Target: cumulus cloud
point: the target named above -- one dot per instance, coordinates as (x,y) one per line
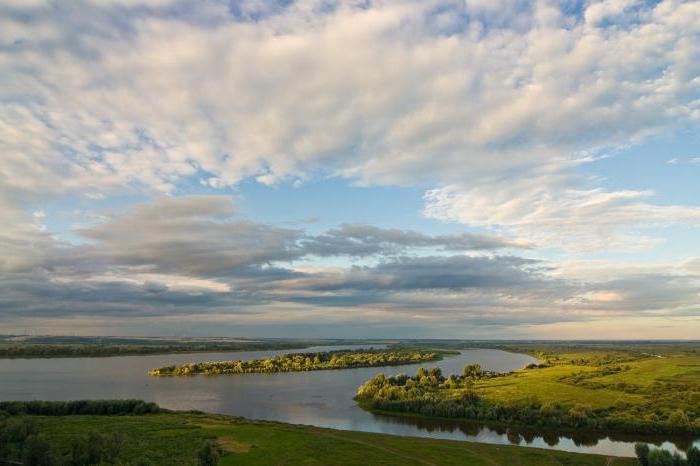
(200,235)
(151,95)
(192,234)
(196,246)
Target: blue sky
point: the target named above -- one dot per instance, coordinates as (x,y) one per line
(457,169)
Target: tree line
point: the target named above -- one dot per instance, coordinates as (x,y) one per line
(302,362)
(110,349)
(78,407)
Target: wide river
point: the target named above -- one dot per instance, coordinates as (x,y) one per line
(320,398)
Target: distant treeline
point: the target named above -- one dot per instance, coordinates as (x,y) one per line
(303,362)
(79,407)
(22,350)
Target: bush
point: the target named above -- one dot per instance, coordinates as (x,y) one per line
(679,419)
(693,456)
(208,455)
(642,452)
(36,452)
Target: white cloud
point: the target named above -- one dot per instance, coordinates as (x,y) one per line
(419,97)
(558,216)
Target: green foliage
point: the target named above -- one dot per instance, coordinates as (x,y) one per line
(472,370)
(36,451)
(659,457)
(693,456)
(208,455)
(302,362)
(95,448)
(625,388)
(21,443)
(620,391)
(642,452)
(67,408)
(178,438)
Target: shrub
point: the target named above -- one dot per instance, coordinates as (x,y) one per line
(642,452)
(693,456)
(36,452)
(208,455)
(679,419)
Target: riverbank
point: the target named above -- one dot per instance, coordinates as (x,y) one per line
(179,437)
(587,390)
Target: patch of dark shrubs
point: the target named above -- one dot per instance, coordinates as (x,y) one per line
(79,407)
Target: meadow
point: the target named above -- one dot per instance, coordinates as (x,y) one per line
(194,439)
(590,388)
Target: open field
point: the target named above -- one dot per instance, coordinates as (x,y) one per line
(176,438)
(621,388)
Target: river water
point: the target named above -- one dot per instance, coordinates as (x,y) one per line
(319,398)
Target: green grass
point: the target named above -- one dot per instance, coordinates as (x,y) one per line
(659,384)
(587,389)
(174,438)
(545,384)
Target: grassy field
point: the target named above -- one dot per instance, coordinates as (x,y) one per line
(175,438)
(653,388)
(622,388)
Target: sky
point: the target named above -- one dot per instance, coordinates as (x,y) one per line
(478,169)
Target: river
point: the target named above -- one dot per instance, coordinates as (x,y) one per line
(319,398)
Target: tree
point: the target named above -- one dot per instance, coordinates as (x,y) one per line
(642,452)
(208,455)
(659,457)
(472,370)
(693,456)
(36,451)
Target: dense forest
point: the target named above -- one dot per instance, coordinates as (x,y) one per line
(597,392)
(303,362)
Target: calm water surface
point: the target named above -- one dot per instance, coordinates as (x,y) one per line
(321,398)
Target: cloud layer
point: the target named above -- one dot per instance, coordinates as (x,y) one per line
(193,258)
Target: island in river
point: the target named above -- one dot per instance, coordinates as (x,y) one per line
(298,362)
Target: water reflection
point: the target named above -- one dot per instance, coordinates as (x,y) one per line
(590,442)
